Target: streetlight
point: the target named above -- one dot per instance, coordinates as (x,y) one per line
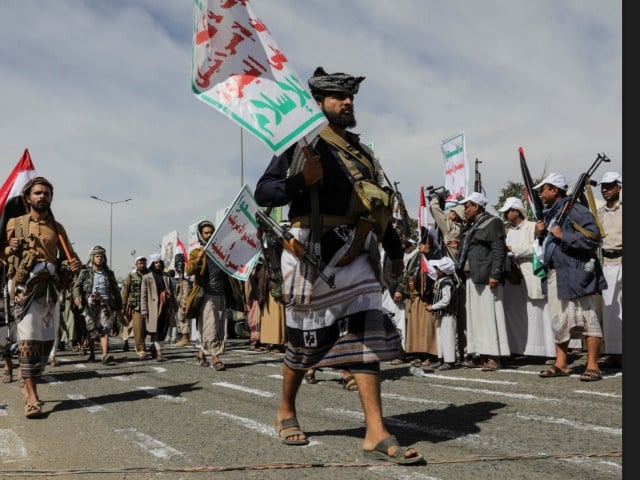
(111,204)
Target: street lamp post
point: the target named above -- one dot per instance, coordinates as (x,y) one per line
(111,204)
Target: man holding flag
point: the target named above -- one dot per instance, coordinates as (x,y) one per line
(342,327)
(247,77)
(11,204)
(35,245)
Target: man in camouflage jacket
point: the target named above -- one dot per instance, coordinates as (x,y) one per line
(131,290)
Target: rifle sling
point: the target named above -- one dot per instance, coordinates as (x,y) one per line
(591,201)
(349,155)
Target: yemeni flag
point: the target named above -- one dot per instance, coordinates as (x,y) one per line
(423,212)
(10,194)
(182,249)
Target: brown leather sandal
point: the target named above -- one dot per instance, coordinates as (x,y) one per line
(32,410)
(349,383)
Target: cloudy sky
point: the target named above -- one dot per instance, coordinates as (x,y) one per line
(99,92)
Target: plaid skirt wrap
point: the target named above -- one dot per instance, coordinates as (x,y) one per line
(338,326)
(38,286)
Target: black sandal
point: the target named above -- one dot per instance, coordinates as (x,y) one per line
(310,377)
(201,360)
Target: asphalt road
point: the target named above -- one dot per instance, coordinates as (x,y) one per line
(177,420)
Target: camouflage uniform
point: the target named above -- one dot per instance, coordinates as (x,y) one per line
(131,290)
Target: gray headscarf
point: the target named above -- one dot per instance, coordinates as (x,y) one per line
(323,82)
(201,225)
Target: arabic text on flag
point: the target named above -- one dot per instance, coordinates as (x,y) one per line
(454,151)
(235,245)
(239,70)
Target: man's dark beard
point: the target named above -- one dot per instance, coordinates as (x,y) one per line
(344,120)
(40,208)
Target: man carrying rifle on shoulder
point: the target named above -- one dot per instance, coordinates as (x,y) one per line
(571,238)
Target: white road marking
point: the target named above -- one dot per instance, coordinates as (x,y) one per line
(418,372)
(262,428)
(11,447)
(602,394)
(569,423)
(92,407)
(51,380)
(150,444)
(161,393)
(403,398)
(253,391)
(399,473)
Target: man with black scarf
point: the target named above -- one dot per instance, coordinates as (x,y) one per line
(342,327)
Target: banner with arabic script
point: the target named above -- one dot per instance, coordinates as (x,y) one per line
(235,246)
(239,70)
(456,171)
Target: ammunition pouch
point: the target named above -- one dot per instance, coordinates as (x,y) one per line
(359,244)
(20,266)
(371,201)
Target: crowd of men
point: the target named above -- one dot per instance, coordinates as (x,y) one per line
(472,290)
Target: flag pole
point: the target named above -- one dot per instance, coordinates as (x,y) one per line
(241,160)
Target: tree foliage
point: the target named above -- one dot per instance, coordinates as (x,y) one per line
(514,189)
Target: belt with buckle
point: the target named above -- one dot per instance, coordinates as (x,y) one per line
(611,253)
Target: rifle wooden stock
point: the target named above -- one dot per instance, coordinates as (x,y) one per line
(402,208)
(274,230)
(65,247)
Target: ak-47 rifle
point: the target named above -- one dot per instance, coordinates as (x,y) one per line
(532,195)
(477,184)
(6,302)
(277,233)
(402,209)
(578,191)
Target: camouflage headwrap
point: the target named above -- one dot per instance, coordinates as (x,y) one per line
(323,82)
(97,250)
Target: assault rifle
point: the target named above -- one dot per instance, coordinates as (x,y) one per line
(6,303)
(402,209)
(277,233)
(477,183)
(532,195)
(578,191)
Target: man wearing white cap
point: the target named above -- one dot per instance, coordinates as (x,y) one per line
(574,275)
(481,258)
(529,326)
(610,216)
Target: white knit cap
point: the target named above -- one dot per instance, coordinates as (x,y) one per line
(445,264)
(611,177)
(516,204)
(475,197)
(555,179)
